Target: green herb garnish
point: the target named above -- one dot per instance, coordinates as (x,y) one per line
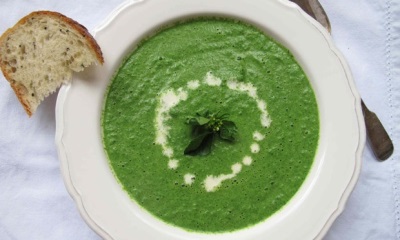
(206,128)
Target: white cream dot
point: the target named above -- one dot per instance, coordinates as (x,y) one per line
(173,164)
(261,105)
(193,84)
(189,178)
(236,168)
(161,139)
(257,136)
(168,151)
(169,100)
(252,91)
(182,94)
(247,160)
(232,85)
(212,80)
(265,120)
(211,183)
(255,148)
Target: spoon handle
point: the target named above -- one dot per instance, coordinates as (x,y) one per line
(316,11)
(378,138)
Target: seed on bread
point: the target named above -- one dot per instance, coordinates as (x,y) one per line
(40,53)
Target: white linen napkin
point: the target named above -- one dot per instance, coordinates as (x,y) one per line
(367,32)
(34,203)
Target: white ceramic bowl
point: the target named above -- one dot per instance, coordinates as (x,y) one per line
(308,215)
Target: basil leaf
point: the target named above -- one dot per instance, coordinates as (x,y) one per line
(228,131)
(202,120)
(205,127)
(199,130)
(200,145)
(192,121)
(199,120)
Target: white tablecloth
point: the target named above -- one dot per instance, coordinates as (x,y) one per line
(34,203)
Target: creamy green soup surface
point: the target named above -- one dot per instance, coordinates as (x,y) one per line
(218,65)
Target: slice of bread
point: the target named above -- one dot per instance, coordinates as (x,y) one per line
(40,53)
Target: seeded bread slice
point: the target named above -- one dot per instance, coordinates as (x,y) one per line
(40,53)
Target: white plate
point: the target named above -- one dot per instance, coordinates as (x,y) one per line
(310,213)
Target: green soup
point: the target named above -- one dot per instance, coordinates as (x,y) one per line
(222,66)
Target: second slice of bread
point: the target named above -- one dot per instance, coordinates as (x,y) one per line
(40,53)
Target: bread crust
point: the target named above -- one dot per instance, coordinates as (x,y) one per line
(19,89)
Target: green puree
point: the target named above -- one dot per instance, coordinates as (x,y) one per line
(171,186)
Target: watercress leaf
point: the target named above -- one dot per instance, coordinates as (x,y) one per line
(200,145)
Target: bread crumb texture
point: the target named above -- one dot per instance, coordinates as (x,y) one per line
(40,53)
